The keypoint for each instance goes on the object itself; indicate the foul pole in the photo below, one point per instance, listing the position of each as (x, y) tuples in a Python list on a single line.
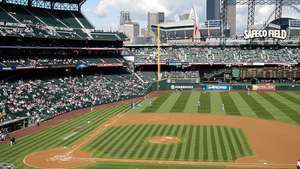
[(158, 56)]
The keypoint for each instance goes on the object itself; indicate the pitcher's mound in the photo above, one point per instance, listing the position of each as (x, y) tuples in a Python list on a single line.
[(164, 140)]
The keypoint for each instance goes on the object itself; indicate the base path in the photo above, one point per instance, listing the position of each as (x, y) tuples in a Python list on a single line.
[(275, 144)]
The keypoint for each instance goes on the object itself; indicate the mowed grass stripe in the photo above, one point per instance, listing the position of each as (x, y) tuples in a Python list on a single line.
[(95, 142), (202, 148), (230, 144), (222, 144), (53, 132), (144, 145), (181, 102), (283, 107), (21, 150), (242, 106), (157, 102), (108, 144), (150, 147), (160, 148), (213, 144), (175, 148), (197, 144), (191, 105), (286, 101), (238, 143), (289, 97), (216, 102), (89, 130), (168, 153), (123, 150), (179, 147), (138, 141), (164, 148), (103, 140), (44, 142), (155, 147), (259, 110), (245, 143), (193, 142), (117, 143), (205, 143), (205, 105), (186, 149), (229, 104)]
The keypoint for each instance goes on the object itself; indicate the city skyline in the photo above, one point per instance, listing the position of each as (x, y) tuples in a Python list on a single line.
[(105, 14)]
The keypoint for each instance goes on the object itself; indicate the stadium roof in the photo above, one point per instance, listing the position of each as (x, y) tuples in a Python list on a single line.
[(69, 1)]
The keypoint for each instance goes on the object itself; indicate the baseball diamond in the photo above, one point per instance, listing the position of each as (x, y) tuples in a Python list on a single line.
[(207, 135), (149, 84)]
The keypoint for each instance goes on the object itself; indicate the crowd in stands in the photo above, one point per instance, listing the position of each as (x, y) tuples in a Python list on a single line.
[(23, 21), (205, 55), (32, 62), (44, 99)]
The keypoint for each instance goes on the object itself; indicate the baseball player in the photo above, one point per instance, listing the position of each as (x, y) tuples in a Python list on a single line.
[(223, 107)]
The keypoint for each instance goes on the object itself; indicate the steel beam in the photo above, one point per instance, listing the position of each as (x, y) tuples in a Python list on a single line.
[(278, 9), (251, 14), (263, 2)]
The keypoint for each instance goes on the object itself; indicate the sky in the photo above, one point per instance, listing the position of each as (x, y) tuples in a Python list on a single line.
[(105, 14)]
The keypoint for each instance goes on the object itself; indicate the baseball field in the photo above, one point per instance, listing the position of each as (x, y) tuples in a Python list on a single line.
[(170, 130)]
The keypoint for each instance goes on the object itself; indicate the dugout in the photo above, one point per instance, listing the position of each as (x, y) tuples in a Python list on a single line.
[(15, 124)]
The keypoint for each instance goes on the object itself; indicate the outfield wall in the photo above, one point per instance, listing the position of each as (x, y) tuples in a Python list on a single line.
[(163, 85)]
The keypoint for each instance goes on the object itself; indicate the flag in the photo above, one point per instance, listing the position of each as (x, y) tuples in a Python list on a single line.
[(195, 19)]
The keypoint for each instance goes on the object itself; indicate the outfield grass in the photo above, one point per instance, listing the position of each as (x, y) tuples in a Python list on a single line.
[(157, 102), (280, 106), (181, 102)]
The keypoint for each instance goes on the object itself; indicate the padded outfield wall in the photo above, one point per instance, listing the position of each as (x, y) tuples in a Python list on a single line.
[(164, 85)]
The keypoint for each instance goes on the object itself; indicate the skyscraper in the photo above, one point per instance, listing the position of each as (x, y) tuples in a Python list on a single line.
[(131, 29), (124, 17), (161, 17), (212, 9), (231, 19), (155, 18), (213, 13)]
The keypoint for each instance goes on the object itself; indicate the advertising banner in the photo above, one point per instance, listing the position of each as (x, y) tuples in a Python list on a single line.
[(109, 64), (217, 87), (264, 87), (173, 87)]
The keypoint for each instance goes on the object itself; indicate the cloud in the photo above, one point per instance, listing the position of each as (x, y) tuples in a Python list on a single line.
[(104, 7), (105, 13), (139, 8)]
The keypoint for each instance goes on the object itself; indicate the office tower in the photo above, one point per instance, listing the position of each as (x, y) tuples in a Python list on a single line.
[(124, 17)]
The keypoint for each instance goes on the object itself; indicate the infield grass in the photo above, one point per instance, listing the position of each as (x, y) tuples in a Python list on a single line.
[(125, 143)]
